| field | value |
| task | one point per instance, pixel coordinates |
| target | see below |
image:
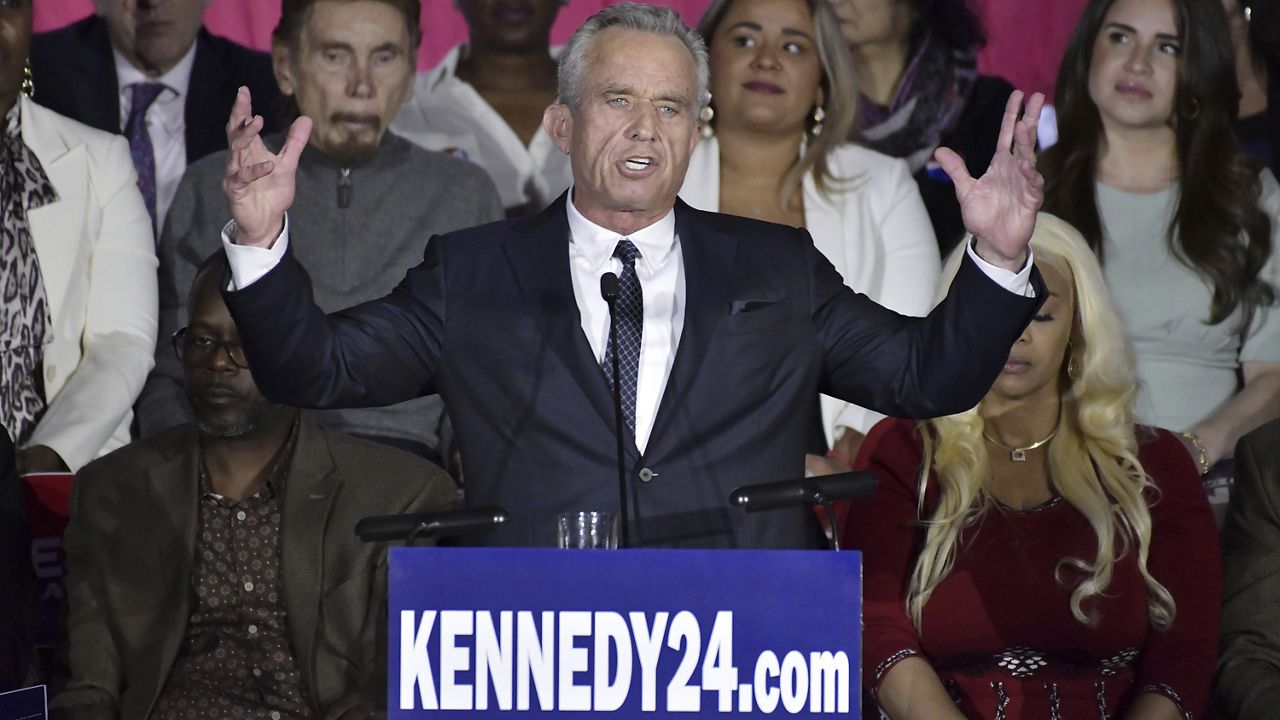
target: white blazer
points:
(97, 257)
(875, 231)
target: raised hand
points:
(1000, 207)
(259, 184)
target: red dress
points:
(999, 629)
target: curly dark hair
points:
(1218, 229)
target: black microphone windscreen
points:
(609, 287)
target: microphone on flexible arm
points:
(609, 291)
(409, 527)
(817, 490)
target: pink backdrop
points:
(1027, 36)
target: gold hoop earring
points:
(818, 116)
(28, 83)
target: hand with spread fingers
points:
(258, 183)
(1000, 207)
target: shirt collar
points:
(177, 80)
(596, 243)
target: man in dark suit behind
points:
(1248, 683)
(728, 328)
(213, 570)
(91, 70)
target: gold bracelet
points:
(1203, 461)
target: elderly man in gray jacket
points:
(367, 200)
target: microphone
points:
(818, 490)
(609, 291)
(805, 491)
(609, 288)
(382, 528)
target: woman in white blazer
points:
(783, 97)
(96, 261)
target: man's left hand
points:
(1000, 207)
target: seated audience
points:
(484, 102)
(16, 569)
(367, 199)
(1255, 35)
(917, 67)
(212, 571)
(78, 268)
(783, 94)
(1147, 169)
(151, 71)
(1248, 684)
(1040, 556)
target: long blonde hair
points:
(1094, 457)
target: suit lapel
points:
(540, 261)
(175, 489)
(97, 93)
(708, 268)
(310, 490)
(209, 92)
(56, 227)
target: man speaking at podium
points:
(727, 328)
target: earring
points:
(1193, 109)
(1073, 367)
(818, 116)
(707, 114)
(28, 83)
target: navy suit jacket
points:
(489, 320)
(74, 73)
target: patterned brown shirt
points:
(235, 660)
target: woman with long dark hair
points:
(1147, 167)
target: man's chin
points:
(350, 152)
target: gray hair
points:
(629, 16)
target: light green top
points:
(1186, 368)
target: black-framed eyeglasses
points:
(196, 350)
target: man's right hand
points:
(259, 184)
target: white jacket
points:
(97, 257)
(876, 232)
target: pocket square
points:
(738, 307)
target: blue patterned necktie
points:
(140, 149)
(629, 313)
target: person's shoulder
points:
(1168, 463)
(381, 470)
(739, 227)
(125, 467)
(438, 168)
(890, 438)
(73, 35)
(862, 168)
(99, 145)
(236, 55)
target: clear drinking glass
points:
(586, 529)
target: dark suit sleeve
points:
(912, 367)
(379, 353)
(1248, 684)
(15, 561)
(91, 680)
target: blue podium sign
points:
(505, 632)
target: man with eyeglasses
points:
(213, 571)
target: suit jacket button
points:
(647, 475)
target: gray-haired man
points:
(727, 327)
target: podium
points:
(532, 632)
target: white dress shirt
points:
(166, 123)
(660, 270)
(448, 115)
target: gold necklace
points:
(1019, 454)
